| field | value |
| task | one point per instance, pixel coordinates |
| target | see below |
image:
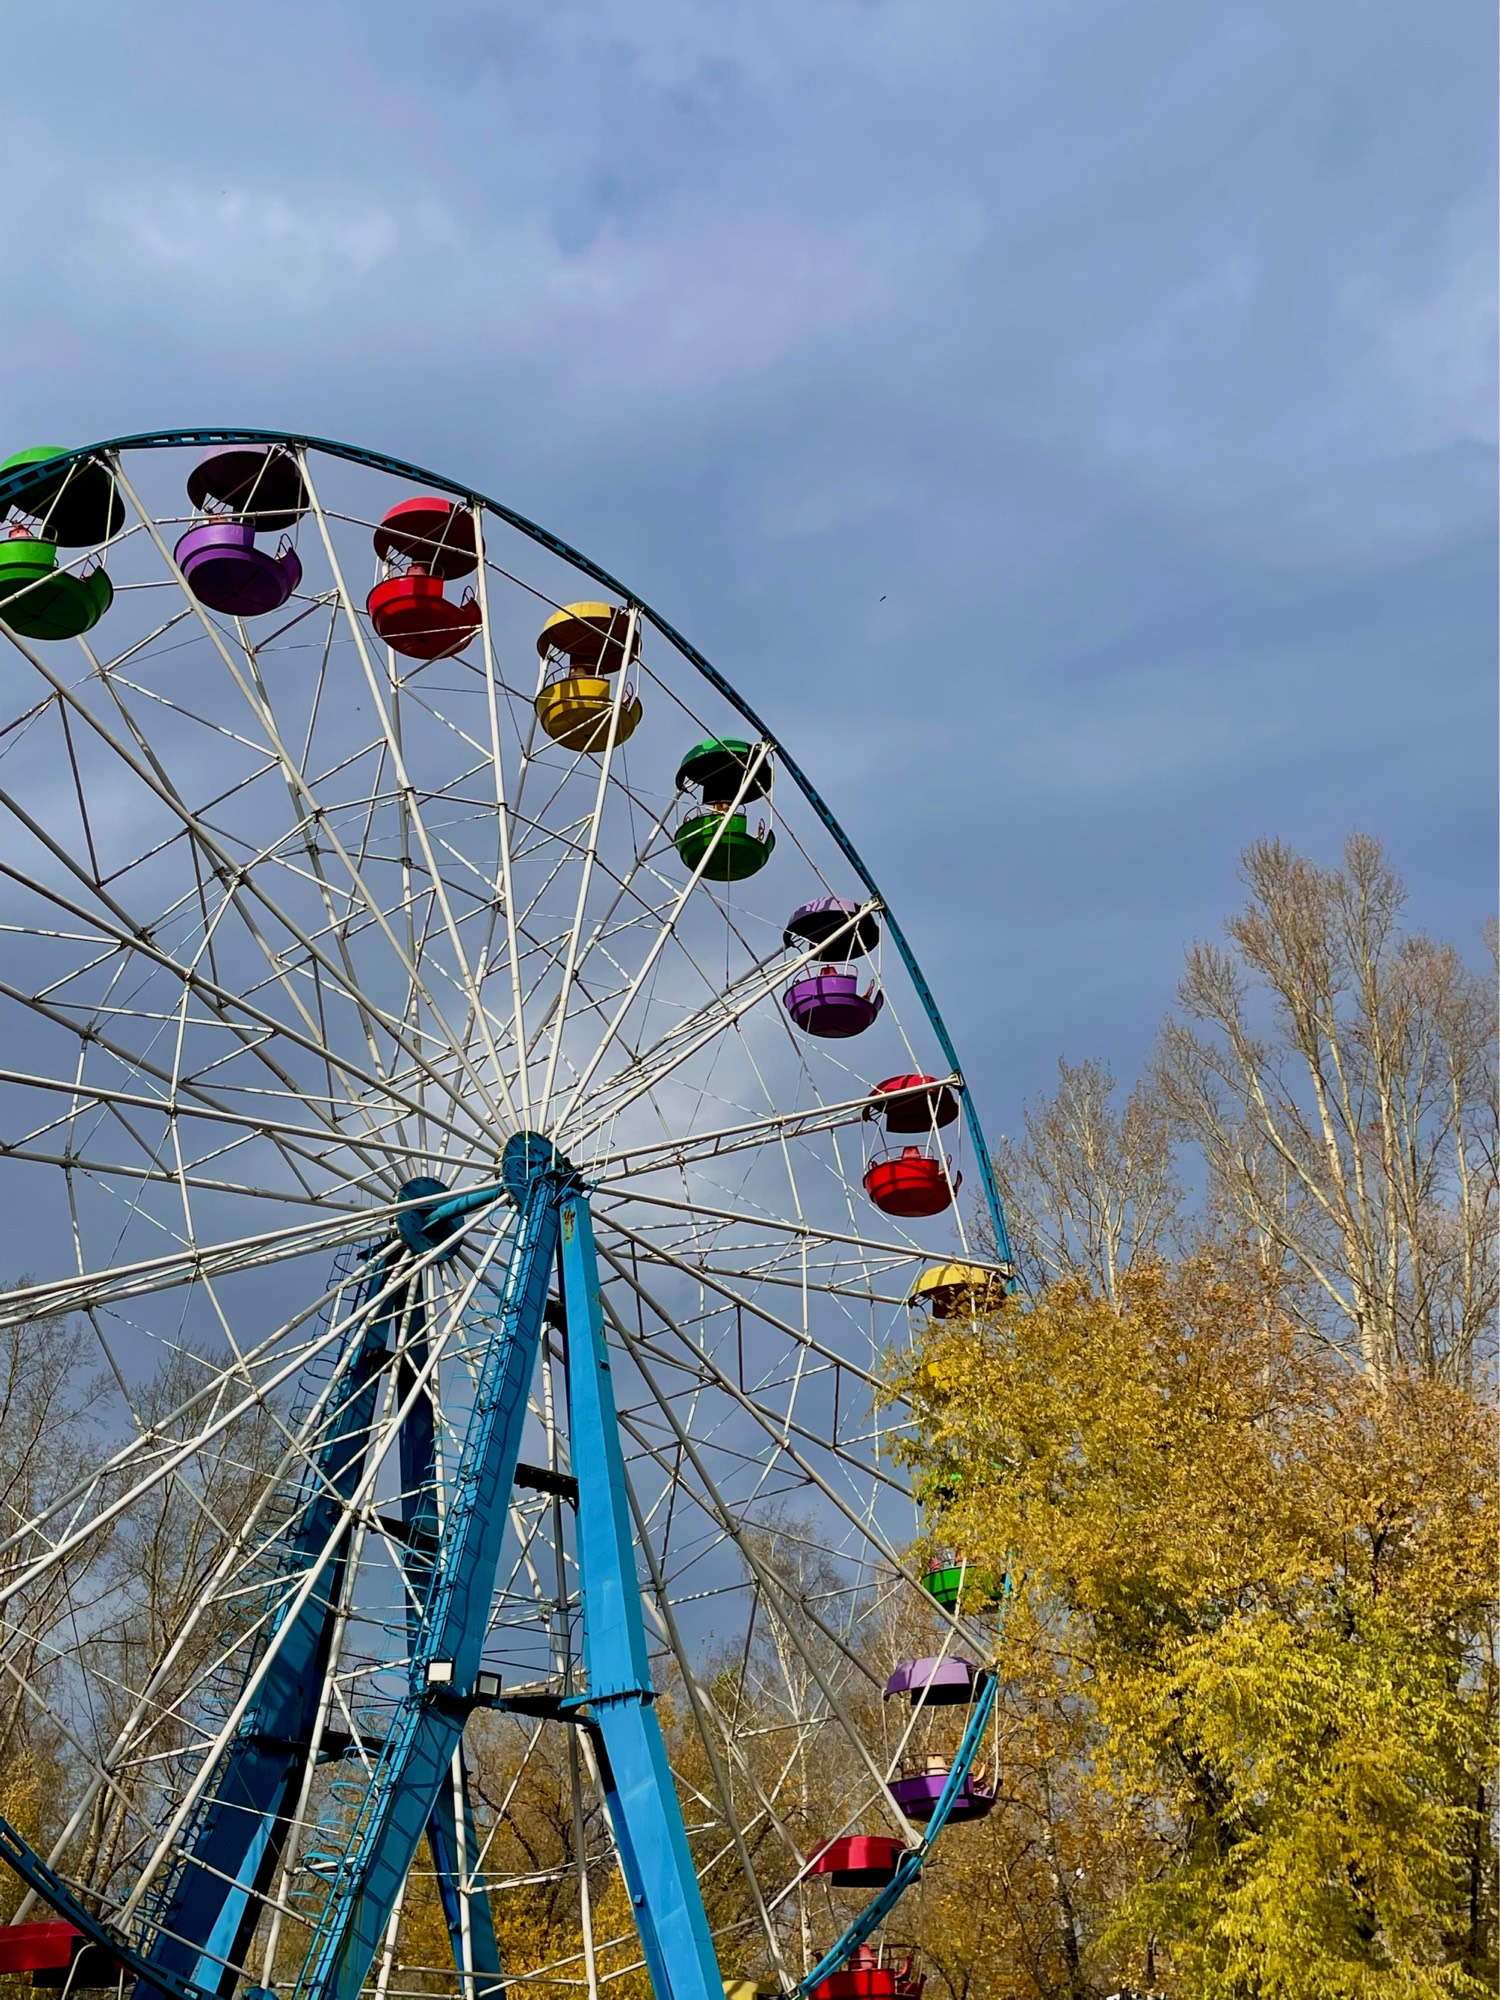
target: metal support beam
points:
(450, 1831)
(416, 1762)
(212, 1901)
(466, 1906)
(639, 1792)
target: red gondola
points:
(55, 1954)
(412, 616)
(858, 1861)
(865, 1978)
(436, 536)
(904, 1105)
(910, 1182)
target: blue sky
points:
(1071, 425)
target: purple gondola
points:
(830, 1004)
(226, 571)
(917, 1793)
(940, 1682)
(261, 484)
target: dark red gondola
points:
(434, 535)
(55, 1954)
(37, 1947)
(913, 1103)
(865, 1978)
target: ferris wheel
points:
(469, 1094)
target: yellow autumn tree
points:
(1252, 1603)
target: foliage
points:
(1253, 1588)
(1328, 1089)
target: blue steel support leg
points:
(455, 1854)
(639, 1792)
(417, 1756)
(213, 1903)
(450, 1832)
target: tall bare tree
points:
(1090, 1187)
(159, 1563)
(1337, 1071)
(45, 1430)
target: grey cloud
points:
(1140, 358)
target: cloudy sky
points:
(1069, 422)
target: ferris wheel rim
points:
(15, 485)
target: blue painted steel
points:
(450, 1831)
(654, 1855)
(208, 1913)
(455, 1854)
(416, 1759)
(15, 486)
(435, 1222)
(525, 1154)
(416, 1226)
(909, 1867)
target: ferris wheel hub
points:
(421, 1228)
(526, 1155)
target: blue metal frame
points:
(211, 1903)
(450, 1830)
(15, 486)
(639, 1792)
(412, 1772)
(207, 1914)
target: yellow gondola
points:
(958, 1291)
(588, 643)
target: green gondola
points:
(78, 508)
(717, 767)
(955, 1588)
(40, 602)
(739, 852)
(727, 772)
